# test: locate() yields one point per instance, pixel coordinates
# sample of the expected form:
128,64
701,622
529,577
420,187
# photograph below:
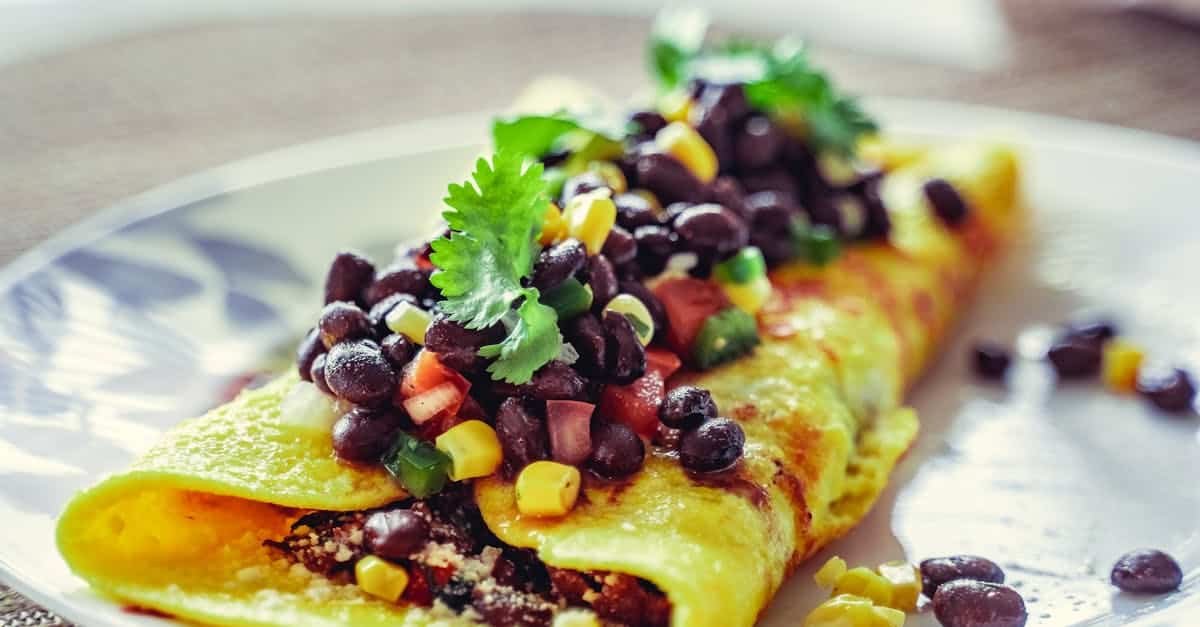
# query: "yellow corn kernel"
1121,363
554,227
866,583
847,610
828,574
381,578
629,305
749,297
906,584
547,489
611,174
575,617
676,106
473,448
649,197
590,217
683,142
410,321
836,169
890,153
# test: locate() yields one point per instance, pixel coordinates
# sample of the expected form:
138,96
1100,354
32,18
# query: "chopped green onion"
420,468
817,244
747,265
569,299
726,335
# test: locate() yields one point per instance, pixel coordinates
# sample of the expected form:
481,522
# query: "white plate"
122,326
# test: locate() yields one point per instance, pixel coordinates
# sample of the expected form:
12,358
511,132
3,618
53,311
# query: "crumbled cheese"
330,546
439,555
251,574
356,536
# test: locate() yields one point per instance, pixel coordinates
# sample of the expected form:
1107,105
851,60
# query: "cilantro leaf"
532,135
533,342
778,79
494,221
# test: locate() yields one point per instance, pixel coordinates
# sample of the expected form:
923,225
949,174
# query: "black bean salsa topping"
533,339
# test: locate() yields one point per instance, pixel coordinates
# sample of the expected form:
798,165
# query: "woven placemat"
17,611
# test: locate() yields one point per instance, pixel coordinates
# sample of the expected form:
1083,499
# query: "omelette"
618,390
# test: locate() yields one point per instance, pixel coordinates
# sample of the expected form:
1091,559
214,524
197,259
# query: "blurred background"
101,100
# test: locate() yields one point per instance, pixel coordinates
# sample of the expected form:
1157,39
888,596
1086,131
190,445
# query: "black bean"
1094,331
936,571
602,277
348,276
726,102
771,210
558,263
317,374
620,247
728,192
686,407
990,360
668,179
822,211
1147,571
581,184
395,534
878,223
634,211
1170,390
308,350
713,446
402,278
1074,359
650,122
523,436
341,321
554,381
617,451
967,603
555,157
656,244
378,313
456,594
758,143
458,346
364,435
711,230
717,132
626,355
658,313
947,203
398,349
773,179
358,372
586,334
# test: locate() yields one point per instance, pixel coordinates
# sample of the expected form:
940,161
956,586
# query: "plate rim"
907,116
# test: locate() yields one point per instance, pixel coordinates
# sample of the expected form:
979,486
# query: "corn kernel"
1121,363
381,578
836,169
590,217
629,306
683,142
906,584
847,610
473,448
827,575
676,106
650,199
749,297
554,227
410,321
866,583
611,175
547,488
575,617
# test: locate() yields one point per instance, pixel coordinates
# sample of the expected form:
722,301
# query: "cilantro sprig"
779,79
587,138
494,221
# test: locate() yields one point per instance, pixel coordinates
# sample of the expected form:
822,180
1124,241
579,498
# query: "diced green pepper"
568,299
726,335
817,244
747,265
420,468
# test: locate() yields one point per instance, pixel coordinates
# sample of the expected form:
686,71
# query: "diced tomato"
426,372
688,303
419,590
636,404
663,361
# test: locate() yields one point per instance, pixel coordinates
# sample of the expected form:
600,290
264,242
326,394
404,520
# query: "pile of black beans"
707,443
968,590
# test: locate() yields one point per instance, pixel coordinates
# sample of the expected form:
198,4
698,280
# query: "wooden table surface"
84,128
